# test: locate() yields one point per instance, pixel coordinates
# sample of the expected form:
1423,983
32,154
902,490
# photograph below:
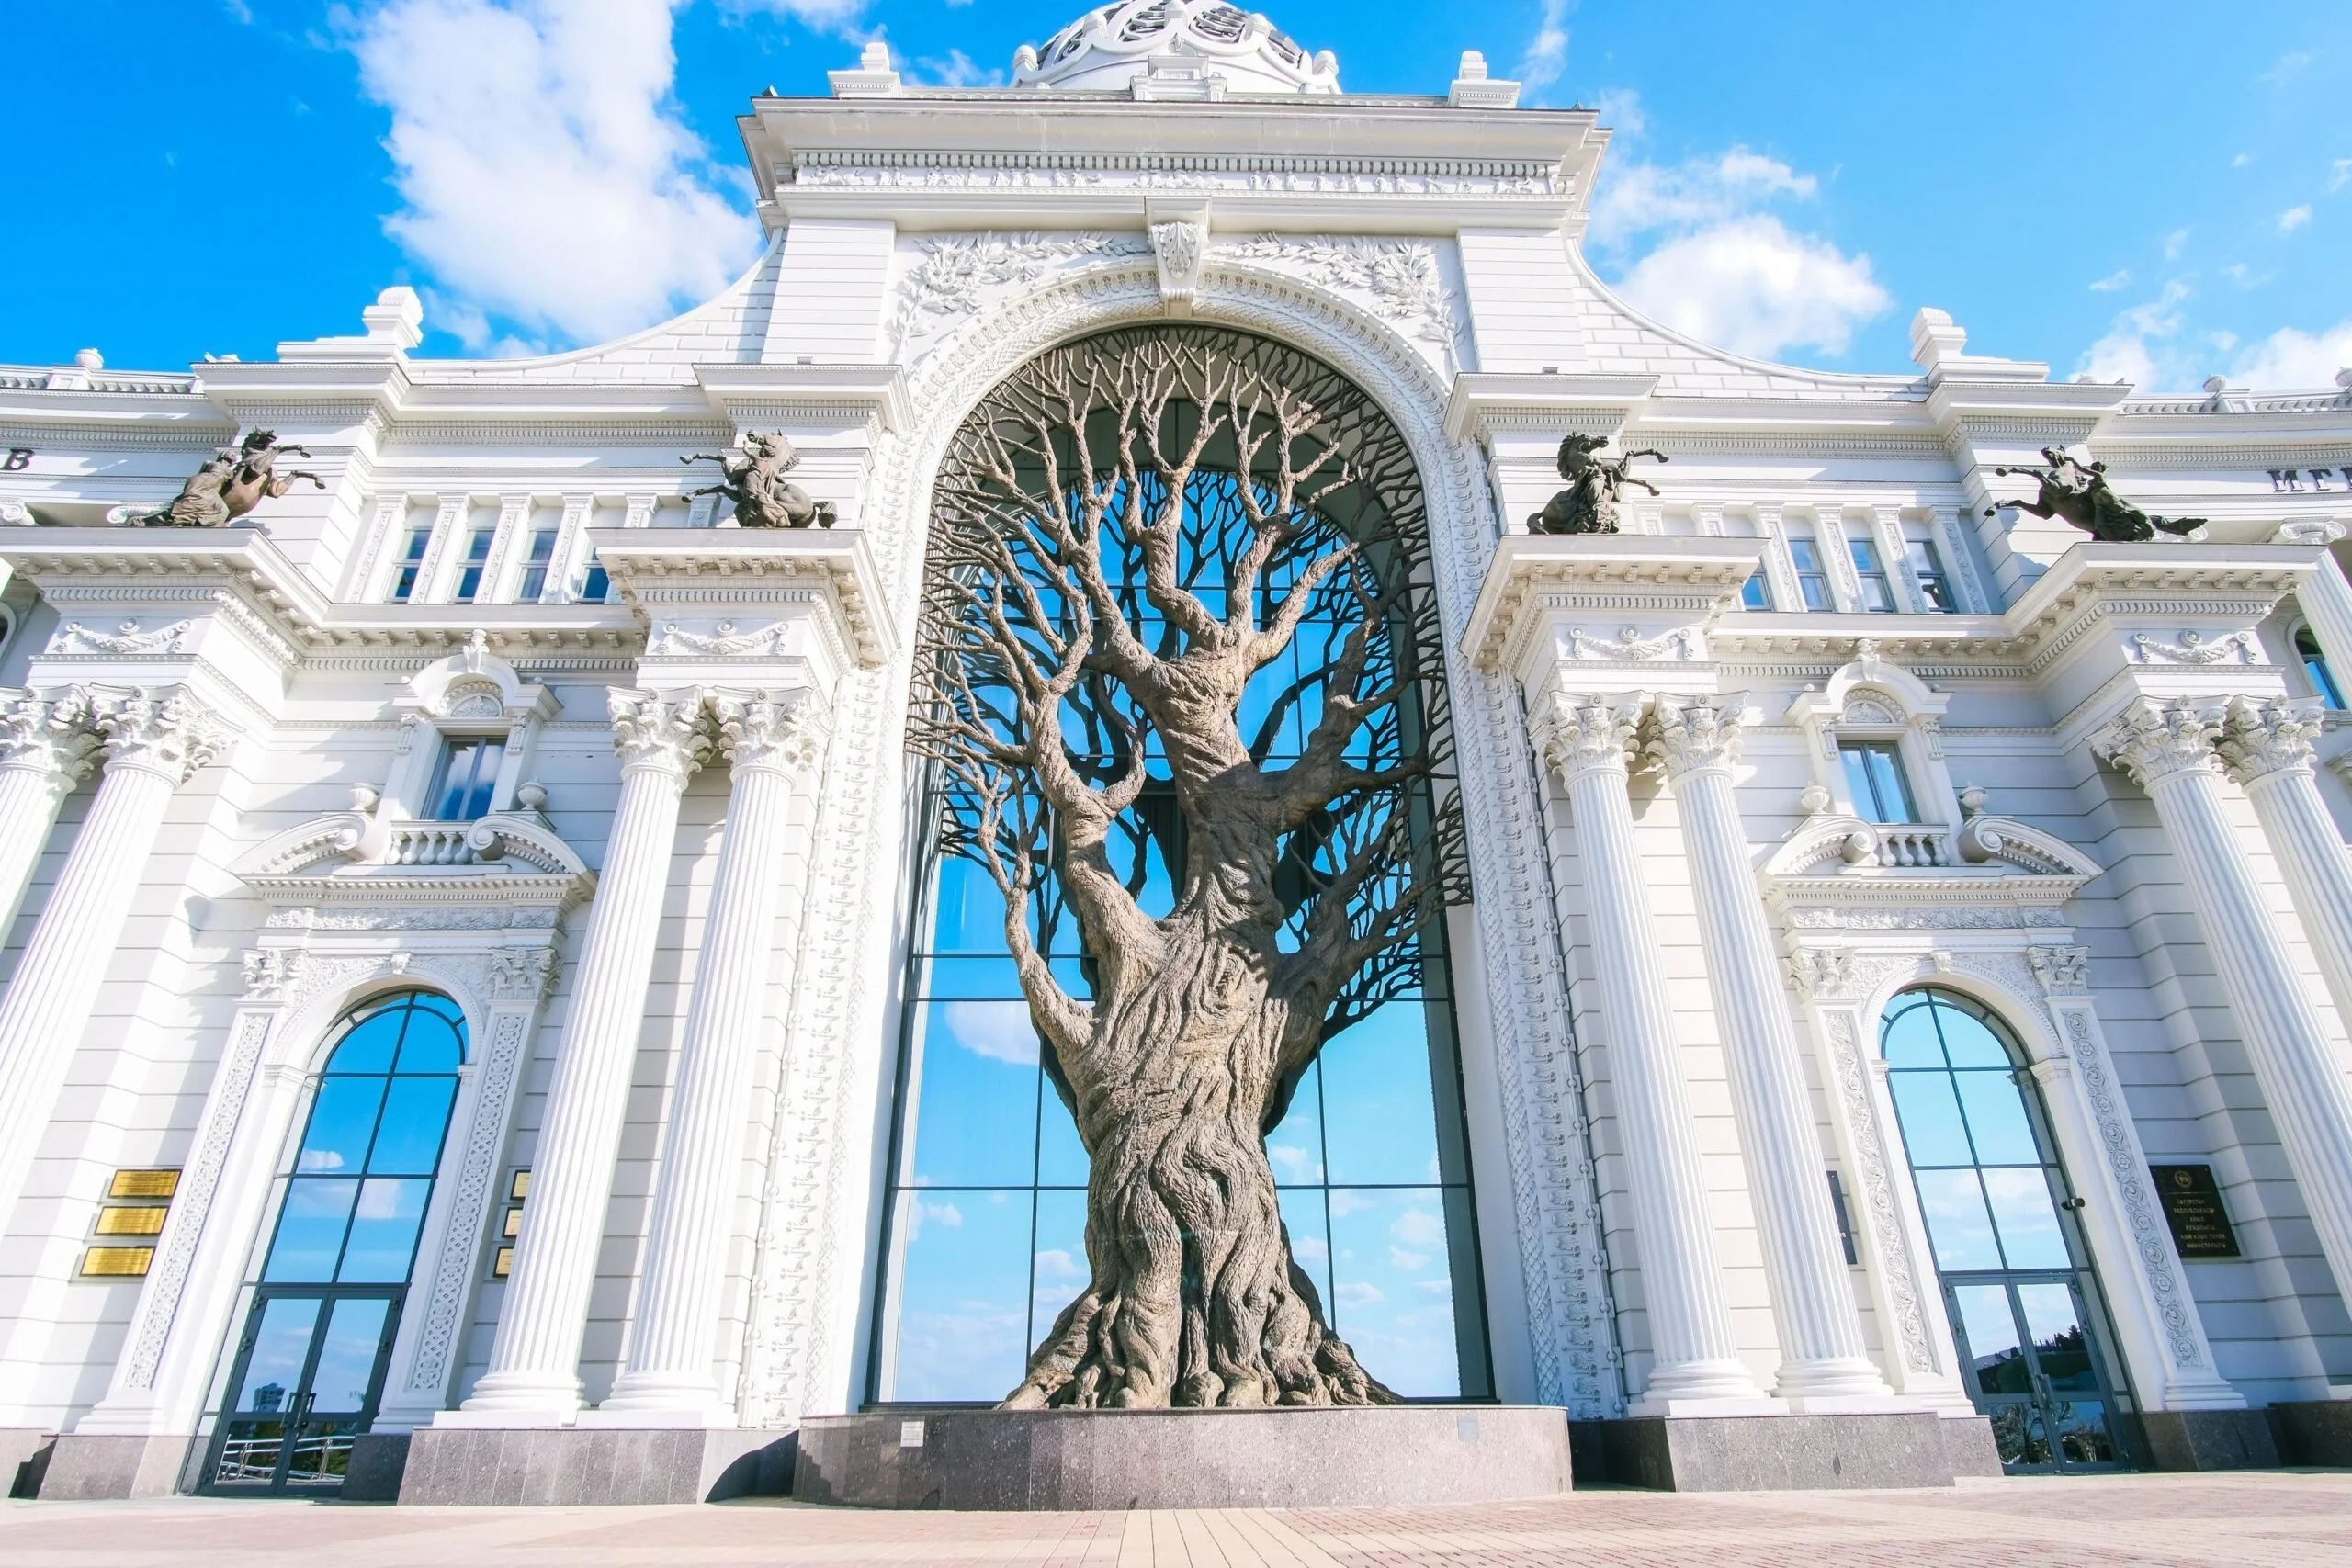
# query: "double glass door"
2034,1369
309,1373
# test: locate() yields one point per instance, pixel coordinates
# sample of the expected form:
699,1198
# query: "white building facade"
477,940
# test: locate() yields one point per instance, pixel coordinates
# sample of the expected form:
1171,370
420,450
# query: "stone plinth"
1182,1459
523,1466
2312,1431
1777,1454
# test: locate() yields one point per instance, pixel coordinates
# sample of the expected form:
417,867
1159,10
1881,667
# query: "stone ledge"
88,1467
2312,1431
527,1466
1776,1453
2209,1440
1183,1458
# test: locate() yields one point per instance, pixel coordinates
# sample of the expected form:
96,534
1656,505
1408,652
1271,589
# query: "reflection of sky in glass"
347,1353
364,1172
987,1217
1986,1185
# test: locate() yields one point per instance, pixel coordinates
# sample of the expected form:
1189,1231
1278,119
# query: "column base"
659,1399
530,1466
1847,1378
518,1399
1719,1383
1749,1453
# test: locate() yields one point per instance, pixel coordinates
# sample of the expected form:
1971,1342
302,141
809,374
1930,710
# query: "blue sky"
2156,191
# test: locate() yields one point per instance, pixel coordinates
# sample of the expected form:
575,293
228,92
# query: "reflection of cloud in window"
1418,1227
1056,1264
1400,1258
1345,1202
1437,1289
383,1199
947,1215
1356,1293
319,1159
1309,1250
999,1030
1291,1161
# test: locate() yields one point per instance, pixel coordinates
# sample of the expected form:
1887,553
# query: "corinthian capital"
168,733
54,734
1582,733
2155,742
2262,738
659,729
769,729
1691,733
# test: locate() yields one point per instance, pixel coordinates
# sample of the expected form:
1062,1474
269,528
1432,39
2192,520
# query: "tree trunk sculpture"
1124,535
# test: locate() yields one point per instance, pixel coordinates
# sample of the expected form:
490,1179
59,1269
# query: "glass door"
309,1373
2031,1368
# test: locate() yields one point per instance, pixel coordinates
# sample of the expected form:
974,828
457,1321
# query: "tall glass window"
2024,1305
411,565
1755,593
470,574
1874,774
360,1184
468,777
1928,572
307,1371
534,581
1878,596
2316,669
1812,582
989,1201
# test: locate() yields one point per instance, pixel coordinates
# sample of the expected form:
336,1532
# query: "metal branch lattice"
1181,687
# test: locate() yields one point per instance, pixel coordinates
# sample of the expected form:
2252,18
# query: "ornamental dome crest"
1175,49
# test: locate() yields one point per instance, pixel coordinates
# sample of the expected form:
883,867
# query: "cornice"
1609,571
1485,402
876,393
651,565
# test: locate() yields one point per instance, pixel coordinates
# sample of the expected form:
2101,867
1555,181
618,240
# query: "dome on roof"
1174,49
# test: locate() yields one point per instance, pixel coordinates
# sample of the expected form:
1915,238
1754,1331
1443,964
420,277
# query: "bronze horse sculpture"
1590,503
2079,494
232,482
751,475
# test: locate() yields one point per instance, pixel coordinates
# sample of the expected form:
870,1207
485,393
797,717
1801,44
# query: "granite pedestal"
2312,1431
1182,1459
522,1466
1775,1453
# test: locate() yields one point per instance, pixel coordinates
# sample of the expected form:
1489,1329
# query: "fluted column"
47,746
152,741
2266,747
1823,1353
1696,1357
2169,749
534,1375
666,1378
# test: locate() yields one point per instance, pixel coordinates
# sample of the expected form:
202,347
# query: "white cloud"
547,176
2142,344
2339,175
999,1031
2112,281
2241,161
1546,54
1751,286
956,70
1720,267
2243,276
2294,218
238,11
2292,360
2175,243
2287,65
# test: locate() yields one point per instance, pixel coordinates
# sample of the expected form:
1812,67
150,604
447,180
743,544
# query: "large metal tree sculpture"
1155,555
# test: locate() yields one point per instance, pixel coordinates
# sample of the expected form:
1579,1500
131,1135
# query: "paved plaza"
2281,1519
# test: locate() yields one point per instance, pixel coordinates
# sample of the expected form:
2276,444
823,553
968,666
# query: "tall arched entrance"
2016,1277
307,1371
1114,513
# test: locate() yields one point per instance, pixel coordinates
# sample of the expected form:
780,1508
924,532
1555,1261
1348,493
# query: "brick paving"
2290,1519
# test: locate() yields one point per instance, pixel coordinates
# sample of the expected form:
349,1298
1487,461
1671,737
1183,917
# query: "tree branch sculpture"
1178,604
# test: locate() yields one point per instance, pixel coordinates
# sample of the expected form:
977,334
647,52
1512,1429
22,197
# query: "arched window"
1360,1142
309,1367
2015,1278
2314,663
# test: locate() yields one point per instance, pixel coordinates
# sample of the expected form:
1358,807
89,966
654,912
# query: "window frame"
1890,749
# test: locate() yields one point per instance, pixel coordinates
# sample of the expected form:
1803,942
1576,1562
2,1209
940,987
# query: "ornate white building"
480,958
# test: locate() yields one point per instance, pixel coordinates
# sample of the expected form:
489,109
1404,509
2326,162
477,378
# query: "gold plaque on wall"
117,1262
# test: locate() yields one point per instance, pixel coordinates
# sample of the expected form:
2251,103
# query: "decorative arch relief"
801,1312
